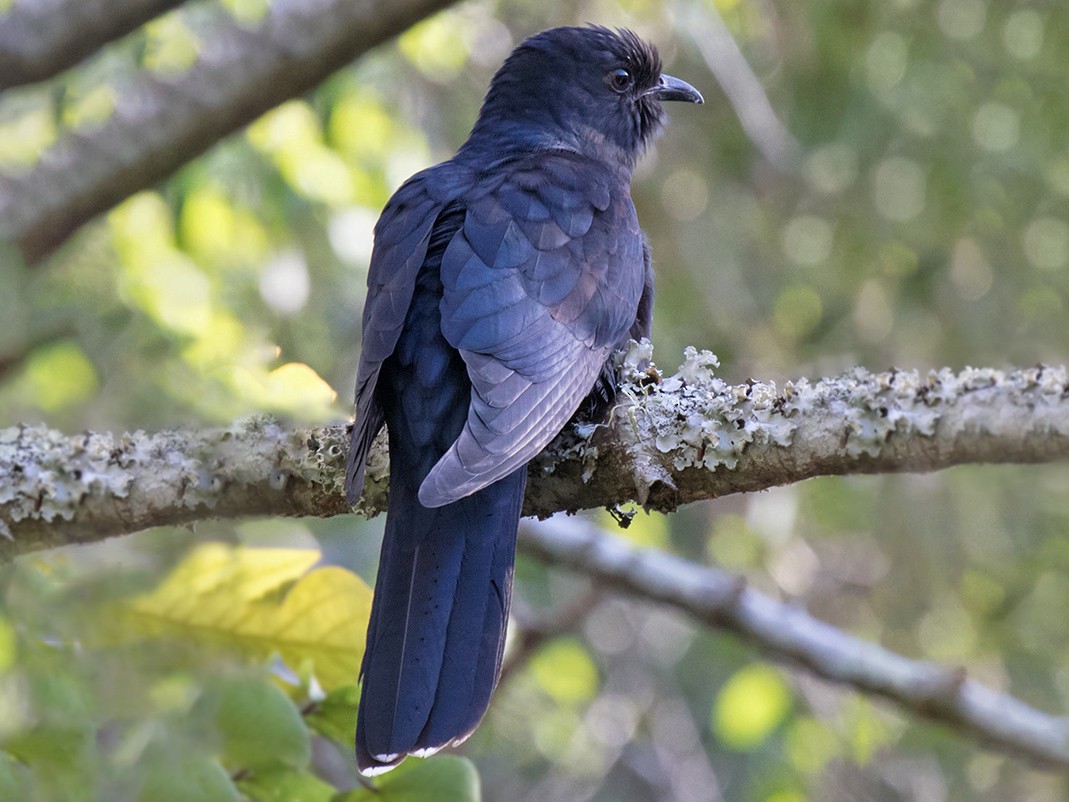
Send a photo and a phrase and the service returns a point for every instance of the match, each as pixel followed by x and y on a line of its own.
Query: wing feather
pixel 402 237
pixel 535 305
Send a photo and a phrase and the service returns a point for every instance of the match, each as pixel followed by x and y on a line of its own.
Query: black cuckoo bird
pixel 501 282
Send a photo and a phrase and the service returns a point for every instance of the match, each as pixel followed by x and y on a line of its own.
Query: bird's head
pixel 587 89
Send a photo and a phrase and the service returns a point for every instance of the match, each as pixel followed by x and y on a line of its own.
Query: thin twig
pixel 722 55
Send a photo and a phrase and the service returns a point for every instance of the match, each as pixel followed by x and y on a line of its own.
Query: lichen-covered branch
pixel 694 436
pixel 164 122
pixel 58 489
pixel 671 441
pixel 39 40
pixel 789 634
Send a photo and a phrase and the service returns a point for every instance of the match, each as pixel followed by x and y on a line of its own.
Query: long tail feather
pixel 438 621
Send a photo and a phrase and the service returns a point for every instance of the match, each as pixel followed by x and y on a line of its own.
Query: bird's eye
pixel 620 80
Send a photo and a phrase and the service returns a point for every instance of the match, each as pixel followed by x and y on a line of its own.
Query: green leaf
pixel 187 780
pixel 285 785
pixel 51 745
pixel 8 645
pixel 445 778
pixel 335 716
pixel 258 724
pixel 750 706
pixel 62 733
pixel 14 779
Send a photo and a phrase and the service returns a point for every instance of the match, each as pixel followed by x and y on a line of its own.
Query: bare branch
pixel 165 122
pixel 39 40
pixel 721 53
pixel 789 634
pixel 691 437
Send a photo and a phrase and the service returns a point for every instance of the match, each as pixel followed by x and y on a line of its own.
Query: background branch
pixel 722 55
pixel 162 123
pixel 691 437
pixel 789 634
pixel 40 40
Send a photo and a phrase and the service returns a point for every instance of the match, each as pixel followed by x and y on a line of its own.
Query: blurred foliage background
pixel 921 222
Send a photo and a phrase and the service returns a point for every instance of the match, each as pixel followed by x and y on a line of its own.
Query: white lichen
pixel 699 420
pixel 45 474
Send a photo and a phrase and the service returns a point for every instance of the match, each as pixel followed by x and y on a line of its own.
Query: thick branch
pixel 690 437
pixel 697 437
pixel 787 633
pixel 39 40
pixel 162 123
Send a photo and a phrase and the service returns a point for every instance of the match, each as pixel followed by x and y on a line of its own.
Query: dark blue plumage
pixel 500 283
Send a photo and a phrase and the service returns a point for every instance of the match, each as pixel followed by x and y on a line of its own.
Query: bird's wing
pixel 402 236
pixel 540 284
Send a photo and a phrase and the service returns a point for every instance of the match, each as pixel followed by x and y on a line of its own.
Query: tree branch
pixel 789 634
pixel 690 437
pixel 162 123
pixel 40 40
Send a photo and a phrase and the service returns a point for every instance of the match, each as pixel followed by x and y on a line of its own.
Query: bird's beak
pixel 670 88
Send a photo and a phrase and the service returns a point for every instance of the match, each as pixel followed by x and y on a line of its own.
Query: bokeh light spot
pixel 970 271
pixel 886 60
pixel 685 195
pixel 899 189
pixel 284 284
pixel 807 239
pixel 996 127
pixel 60 375
pixel 1046 243
pixel 962 19
pixel 565 671
pixel 1022 35
pixel 750 706
pixel 873 314
pixel 832 168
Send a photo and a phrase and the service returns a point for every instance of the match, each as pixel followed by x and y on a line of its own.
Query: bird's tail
pixel 438 621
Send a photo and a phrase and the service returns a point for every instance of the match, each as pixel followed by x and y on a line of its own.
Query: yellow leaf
pixel 242 573
pixel 324 619
pixel 297 385
pixel 217 596
pixel 292 389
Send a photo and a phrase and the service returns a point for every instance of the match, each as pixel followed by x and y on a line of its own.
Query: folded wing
pixel 541 282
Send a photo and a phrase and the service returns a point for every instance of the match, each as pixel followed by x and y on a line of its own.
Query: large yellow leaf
pixel 323 619
pixel 219 595
pixel 239 572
